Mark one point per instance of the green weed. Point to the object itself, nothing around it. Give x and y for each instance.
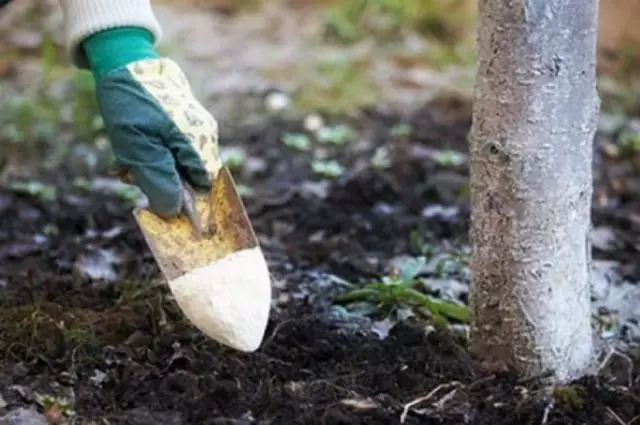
(449, 158)
(327, 168)
(336, 135)
(396, 293)
(381, 159)
(233, 157)
(51, 403)
(297, 141)
(126, 192)
(34, 188)
(244, 190)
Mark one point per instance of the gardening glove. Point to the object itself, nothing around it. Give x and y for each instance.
(159, 133)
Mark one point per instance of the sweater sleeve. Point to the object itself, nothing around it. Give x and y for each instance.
(83, 18)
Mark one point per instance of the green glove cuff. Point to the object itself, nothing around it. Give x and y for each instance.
(115, 48)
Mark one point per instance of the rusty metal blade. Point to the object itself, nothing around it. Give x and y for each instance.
(225, 228)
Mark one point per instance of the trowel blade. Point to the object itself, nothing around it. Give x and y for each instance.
(226, 231)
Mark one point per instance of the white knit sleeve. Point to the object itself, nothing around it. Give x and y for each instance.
(83, 18)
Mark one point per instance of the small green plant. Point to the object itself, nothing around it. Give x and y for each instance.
(396, 293)
(337, 135)
(51, 230)
(450, 158)
(34, 188)
(381, 159)
(297, 141)
(55, 406)
(244, 190)
(233, 157)
(126, 192)
(82, 183)
(327, 168)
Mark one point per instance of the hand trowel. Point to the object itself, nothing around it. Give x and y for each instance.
(213, 263)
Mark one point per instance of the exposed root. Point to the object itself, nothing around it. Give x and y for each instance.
(547, 412)
(615, 416)
(613, 352)
(440, 403)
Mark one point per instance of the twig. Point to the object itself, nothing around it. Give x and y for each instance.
(609, 356)
(440, 403)
(408, 406)
(547, 412)
(480, 382)
(635, 418)
(615, 416)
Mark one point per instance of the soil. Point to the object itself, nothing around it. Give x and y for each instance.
(118, 349)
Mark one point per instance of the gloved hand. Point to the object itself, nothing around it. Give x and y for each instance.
(158, 131)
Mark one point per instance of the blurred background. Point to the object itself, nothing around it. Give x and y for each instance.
(248, 58)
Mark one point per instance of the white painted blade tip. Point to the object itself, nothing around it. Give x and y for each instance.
(228, 300)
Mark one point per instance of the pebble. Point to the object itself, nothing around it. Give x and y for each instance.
(278, 101)
(23, 416)
(313, 123)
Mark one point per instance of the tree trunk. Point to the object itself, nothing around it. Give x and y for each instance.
(534, 120)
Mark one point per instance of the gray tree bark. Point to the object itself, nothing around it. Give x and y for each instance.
(534, 120)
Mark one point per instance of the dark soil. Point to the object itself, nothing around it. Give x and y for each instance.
(123, 353)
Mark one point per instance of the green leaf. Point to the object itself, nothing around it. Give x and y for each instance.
(362, 294)
(35, 188)
(297, 141)
(453, 310)
(440, 322)
(337, 135)
(411, 268)
(330, 168)
(419, 298)
(438, 306)
(233, 157)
